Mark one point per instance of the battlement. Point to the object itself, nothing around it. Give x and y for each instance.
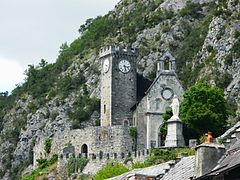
(139, 155)
(104, 51)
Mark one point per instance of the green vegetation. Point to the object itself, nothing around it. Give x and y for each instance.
(236, 48)
(46, 82)
(68, 84)
(133, 132)
(141, 17)
(3, 103)
(47, 145)
(192, 9)
(111, 170)
(44, 167)
(75, 164)
(185, 55)
(163, 130)
(158, 156)
(203, 109)
(83, 107)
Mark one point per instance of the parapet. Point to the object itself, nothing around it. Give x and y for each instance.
(104, 51)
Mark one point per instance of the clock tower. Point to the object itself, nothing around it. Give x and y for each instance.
(118, 85)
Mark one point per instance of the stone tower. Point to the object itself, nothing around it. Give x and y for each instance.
(118, 85)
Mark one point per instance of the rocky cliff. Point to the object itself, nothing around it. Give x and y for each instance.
(203, 36)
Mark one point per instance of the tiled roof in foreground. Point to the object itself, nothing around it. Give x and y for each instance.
(183, 170)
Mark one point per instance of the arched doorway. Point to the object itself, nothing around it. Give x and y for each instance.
(84, 151)
(161, 135)
(125, 123)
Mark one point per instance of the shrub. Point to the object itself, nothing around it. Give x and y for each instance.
(228, 59)
(236, 48)
(133, 132)
(158, 156)
(53, 115)
(82, 110)
(138, 165)
(191, 9)
(42, 163)
(111, 170)
(75, 164)
(43, 168)
(128, 159)
(47, 145)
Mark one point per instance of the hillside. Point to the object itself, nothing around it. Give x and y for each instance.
(203, 36)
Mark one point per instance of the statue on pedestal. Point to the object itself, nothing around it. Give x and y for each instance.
(174, 136)
(175, 106)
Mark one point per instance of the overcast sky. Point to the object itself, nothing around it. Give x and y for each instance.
(34, 29)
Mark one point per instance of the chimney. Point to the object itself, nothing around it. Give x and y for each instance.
(207, 155)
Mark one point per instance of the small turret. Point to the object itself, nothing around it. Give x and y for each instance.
(167, 63)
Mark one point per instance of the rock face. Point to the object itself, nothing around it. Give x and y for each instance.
(217, 60)
(173, 5)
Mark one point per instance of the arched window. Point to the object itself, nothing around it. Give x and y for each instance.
(167, 63)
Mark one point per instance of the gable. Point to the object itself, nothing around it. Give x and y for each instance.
(160, 93)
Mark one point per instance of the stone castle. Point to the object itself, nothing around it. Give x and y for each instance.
(127, 101)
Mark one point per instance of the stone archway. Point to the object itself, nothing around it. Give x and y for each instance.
(84, 150)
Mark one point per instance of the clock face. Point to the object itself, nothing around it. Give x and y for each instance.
(167, 93)
(106, 65)
(124, 66)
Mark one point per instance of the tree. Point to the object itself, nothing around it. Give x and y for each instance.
(204, 109)
(163, 130)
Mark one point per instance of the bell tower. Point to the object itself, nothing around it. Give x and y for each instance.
(166, 64)
(118, 85)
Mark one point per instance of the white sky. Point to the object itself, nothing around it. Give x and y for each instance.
(34, 29)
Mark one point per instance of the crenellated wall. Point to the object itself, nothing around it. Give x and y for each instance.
(88, 141)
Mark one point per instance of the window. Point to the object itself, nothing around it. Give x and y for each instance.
(104, 108)
(167, 63)
(157, 104)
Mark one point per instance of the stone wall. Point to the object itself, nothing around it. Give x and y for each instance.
(98, 161)
(88, 141)
(140, 119)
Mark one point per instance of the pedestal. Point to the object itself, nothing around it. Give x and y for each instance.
(174, 136)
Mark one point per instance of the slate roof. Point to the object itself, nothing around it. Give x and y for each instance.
(232, 160)
(230, 131)
(151, 171)
(156, 170)
(183, 170)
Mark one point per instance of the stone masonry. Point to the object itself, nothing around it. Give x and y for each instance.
(118, 89)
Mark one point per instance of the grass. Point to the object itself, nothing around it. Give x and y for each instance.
(40, 173)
